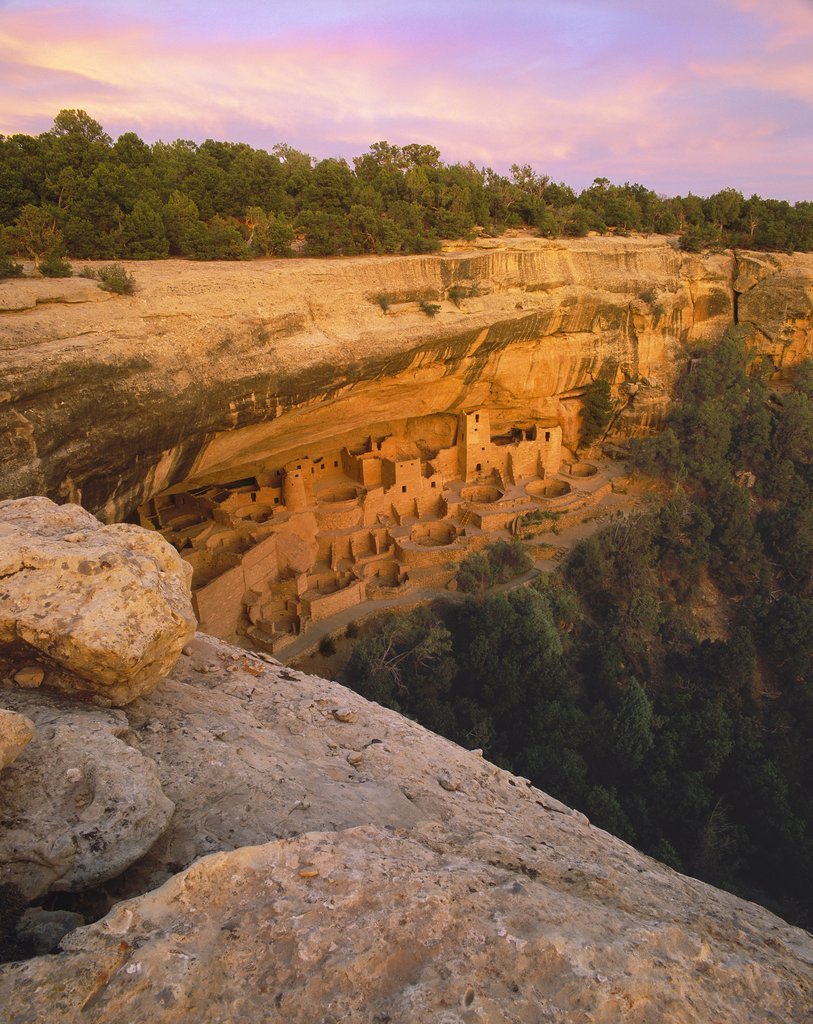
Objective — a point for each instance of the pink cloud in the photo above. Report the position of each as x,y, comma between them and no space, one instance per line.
579,89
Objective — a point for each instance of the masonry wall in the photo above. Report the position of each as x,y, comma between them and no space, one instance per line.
260,563
219,605
330,604
550,449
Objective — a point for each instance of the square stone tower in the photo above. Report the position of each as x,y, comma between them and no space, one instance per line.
474,444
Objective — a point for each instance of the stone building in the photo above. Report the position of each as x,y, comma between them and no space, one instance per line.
324,532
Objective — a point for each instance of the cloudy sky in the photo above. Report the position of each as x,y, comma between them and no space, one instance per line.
680,95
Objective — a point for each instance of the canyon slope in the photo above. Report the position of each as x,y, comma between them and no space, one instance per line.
328,860
212,369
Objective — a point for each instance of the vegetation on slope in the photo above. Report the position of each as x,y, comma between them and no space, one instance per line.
73,190
599,684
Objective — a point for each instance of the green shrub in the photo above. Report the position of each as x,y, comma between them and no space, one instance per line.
430,308
474,575
597,409
114,278
384,301
352,630
457,293
538,516
327,647
508,559
8,268
54,266
89,273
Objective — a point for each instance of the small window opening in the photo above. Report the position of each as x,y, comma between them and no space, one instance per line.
547,435
403,489
478,467
434,483
477,417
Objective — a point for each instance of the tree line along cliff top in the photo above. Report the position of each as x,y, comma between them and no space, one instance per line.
73,191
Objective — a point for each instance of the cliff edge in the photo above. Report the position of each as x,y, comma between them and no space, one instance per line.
210,369
320,858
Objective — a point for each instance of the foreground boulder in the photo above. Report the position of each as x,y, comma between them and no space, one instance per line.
365,925
78,806
110,603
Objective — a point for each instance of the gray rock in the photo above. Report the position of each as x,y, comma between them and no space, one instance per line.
43,930
79,805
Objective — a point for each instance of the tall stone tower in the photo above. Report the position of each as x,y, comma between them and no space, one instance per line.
297,485
474,444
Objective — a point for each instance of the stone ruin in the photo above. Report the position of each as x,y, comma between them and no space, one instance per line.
299,543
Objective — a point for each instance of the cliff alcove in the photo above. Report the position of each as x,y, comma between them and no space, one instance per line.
313,853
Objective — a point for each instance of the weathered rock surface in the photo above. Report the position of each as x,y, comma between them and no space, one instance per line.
79,805
110,603
418,883
15,732
212,368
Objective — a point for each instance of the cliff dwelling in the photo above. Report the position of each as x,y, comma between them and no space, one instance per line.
298,543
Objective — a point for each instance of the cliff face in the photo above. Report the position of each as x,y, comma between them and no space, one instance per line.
212,368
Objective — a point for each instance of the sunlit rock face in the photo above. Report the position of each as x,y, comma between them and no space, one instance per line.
109,603
213,369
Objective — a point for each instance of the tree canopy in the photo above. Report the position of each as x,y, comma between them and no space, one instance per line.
225,200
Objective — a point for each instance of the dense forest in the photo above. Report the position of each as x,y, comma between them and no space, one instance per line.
73,191
597,683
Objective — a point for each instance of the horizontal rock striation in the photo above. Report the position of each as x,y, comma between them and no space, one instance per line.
210,369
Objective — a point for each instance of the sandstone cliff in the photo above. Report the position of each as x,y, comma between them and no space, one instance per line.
212,368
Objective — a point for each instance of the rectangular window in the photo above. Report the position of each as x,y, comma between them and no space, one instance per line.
403,489
477,417
434,483
335,465
547,435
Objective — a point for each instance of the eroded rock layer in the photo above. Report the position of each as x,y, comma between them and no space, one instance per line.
211,370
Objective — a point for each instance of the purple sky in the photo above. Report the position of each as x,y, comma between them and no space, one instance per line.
679,96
